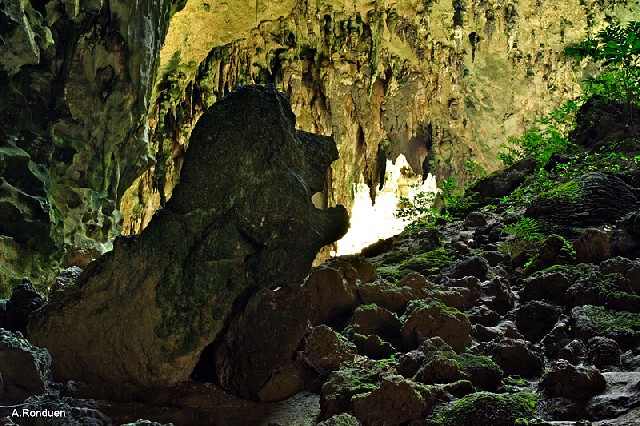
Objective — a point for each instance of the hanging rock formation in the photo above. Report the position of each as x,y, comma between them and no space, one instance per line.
440,82
241,220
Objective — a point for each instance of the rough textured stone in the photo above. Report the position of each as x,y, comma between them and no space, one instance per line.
473,266
373,319
536,318
576,383
516,356
486,408
604,353
325,350
24,300
344,419
373,346
260,340
386,295
24,368
582,203
331,294
574,352
593,246
76,81
350,380
426,319
395,401
550,286
497,295
241,220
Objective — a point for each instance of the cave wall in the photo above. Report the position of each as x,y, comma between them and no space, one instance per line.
76,79
440,82
101,96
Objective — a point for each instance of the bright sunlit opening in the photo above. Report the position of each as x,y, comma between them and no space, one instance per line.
372,222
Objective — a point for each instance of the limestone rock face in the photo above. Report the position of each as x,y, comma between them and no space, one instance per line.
241,220
75,86
440,82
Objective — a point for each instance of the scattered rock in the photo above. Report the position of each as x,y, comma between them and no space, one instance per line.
472,266
474,220
581,203
593,246
68,276
24,368
352,379
373,319
386,295
574,352
518,357
344,419
24,300
576,383
373,346
396,401
550,286
497,295
325,350
623,327
536,318
486,408
425,319
409,363
483,373
604,353
484,316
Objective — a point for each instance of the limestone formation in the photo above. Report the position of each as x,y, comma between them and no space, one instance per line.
439,82
241,220
76,80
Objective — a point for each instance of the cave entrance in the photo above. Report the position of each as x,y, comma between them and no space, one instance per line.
370,221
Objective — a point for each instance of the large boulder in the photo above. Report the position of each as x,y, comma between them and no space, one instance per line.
24,368
241,219
581,203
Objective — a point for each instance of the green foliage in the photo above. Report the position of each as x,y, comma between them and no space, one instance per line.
617,49
474,170
424,208
525,228
418,208
548,135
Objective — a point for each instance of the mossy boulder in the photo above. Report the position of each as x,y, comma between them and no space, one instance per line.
427,318
396,401
581,203
623,327
350,380
485,408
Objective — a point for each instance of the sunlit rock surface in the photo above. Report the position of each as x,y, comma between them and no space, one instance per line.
241,220
440,82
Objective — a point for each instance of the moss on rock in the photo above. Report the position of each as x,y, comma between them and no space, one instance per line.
485,408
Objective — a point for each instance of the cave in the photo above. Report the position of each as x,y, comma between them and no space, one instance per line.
319,213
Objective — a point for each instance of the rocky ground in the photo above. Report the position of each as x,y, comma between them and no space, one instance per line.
522,308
